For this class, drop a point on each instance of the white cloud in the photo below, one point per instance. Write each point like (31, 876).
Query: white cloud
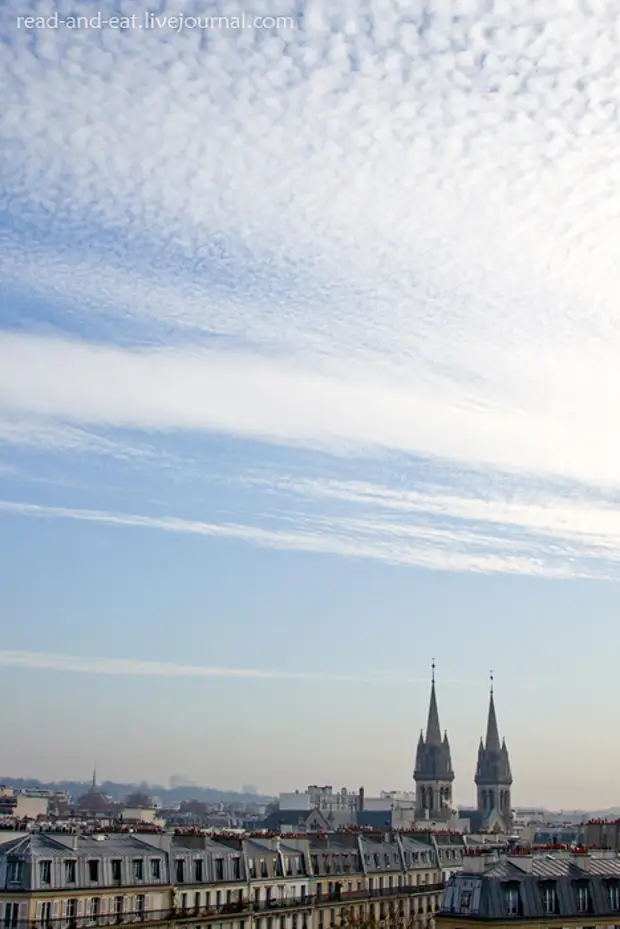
(453, 548)
(386, 232)
(136, 667)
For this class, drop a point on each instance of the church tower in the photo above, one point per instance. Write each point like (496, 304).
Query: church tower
(433, 774)
(493, 776)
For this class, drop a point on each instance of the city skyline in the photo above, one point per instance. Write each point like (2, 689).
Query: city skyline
(308, 373)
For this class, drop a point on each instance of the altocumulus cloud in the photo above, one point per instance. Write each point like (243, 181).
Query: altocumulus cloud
(409, 246)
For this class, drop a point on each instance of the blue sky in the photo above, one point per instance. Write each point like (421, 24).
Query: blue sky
(308, 374)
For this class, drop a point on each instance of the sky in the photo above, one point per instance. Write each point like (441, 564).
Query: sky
(309, 333)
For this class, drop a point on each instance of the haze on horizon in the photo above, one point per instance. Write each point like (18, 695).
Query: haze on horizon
(308, 373)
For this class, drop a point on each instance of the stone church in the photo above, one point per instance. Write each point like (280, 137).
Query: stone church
(434, 775)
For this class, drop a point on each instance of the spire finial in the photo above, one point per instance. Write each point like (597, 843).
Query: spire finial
(433, 671)
(491, 680)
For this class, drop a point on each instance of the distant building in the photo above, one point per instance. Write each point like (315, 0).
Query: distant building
(601, 833)
(493, 777)
(21, 806)
(433, 774)
(180, 780)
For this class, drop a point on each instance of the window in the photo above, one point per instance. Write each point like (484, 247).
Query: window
(14, 871)
(180, 871)
(70, 871)
(138, 869)
(197, 902)
(71, 911)
(117, 870)
(613, 890)
(278, 868)
(183, 903)
(263, 867)
(93, 870)
(512, 899)
(45, 872)
(11, 915)
(251, 867)
(198, 870)
(207, 899)
(236, 863)
(377, 862)
(315, 863)
(583, 897)
(300, 862)
(94, 908)
(140, 906)
(156, 868)
(465, 899)
(219, 869)
(118, 909)
(550, 901)
(288, 866)
(46, 914)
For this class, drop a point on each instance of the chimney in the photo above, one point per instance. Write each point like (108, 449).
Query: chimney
(74, 843)
(361, 800)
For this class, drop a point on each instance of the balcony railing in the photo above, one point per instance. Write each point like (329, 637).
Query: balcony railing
(241, 908)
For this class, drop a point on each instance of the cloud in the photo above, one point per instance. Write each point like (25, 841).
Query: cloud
(409, 245)
(315, 403)
(39, 661)
(451, 548)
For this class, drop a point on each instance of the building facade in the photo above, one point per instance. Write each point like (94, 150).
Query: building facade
(550, 891)
(54, 880)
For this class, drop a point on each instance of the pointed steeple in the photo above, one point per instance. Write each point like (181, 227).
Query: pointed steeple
(492, 743)
(433, 729)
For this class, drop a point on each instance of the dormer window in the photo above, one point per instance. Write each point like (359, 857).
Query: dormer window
(613, 892)
(512, 898)
(15, 869)
(583, 897)
(377, 862)
(465, 900)
(550, 897)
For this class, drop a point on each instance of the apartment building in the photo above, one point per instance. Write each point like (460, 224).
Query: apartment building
(551, 890)
(53, 880)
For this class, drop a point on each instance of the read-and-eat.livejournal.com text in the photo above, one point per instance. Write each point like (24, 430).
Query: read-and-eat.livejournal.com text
(148, 20)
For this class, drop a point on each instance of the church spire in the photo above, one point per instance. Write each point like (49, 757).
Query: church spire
(492, 742)
(433, 729)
